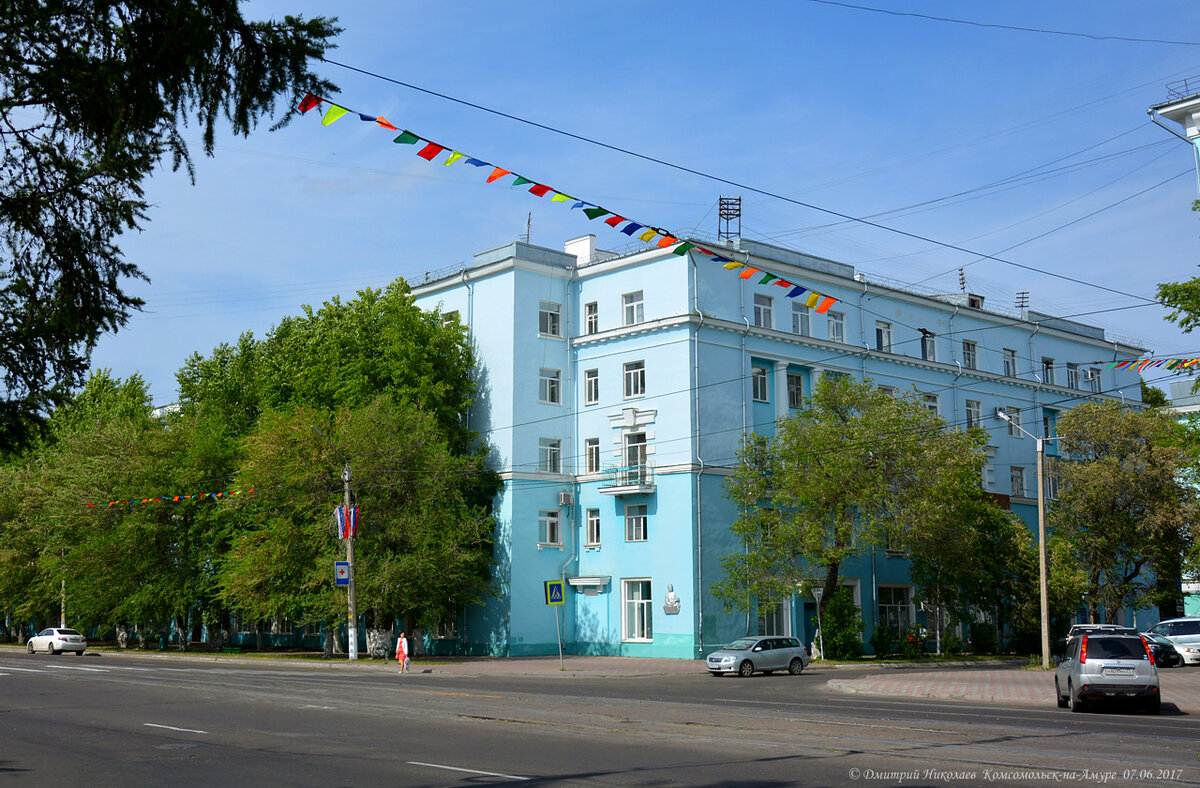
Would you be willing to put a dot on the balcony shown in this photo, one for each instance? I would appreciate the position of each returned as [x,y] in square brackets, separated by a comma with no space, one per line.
[630,480]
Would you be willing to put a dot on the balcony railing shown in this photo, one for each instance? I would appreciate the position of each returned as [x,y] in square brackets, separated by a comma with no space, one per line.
[629,480]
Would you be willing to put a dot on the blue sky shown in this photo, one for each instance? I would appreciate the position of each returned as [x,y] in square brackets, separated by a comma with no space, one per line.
[852,111]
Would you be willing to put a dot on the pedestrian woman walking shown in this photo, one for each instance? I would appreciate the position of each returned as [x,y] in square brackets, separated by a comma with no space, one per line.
[402,652]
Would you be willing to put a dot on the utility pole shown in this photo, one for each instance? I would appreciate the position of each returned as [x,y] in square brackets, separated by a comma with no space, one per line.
[353,612]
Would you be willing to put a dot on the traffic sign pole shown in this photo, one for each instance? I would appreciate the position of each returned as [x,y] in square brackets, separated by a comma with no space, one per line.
[353,611]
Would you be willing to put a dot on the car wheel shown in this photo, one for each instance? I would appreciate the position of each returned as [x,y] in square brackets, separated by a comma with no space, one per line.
[29,647]
[50,648]
[1154,706]
[1062,702]
[715,674]
[796,667]
[1075,703]
[746,669]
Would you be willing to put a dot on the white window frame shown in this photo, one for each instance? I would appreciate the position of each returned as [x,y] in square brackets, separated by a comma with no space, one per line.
[635,445]
[633,309]
[591,453]
[550,455]
[883,336]
[1072,375]
[801,319]
[764,311]
[1016,476]
[635,379]
[974,413]
[549,319]
[929,346]
[932,403]
[835,323]
[1014,421]
[889,390]
[970,351]
[900,615]
[549,386]
[1048,370]
[637,614]
[795,390]
[591,318]
[1093,376]
[760,384]
[550,527]
[636,522]
[591,386]
[593,528]
[1010,363]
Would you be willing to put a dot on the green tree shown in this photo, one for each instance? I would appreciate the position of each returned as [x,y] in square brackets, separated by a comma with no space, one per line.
[93,97]
[855,469]
[1154,397]
[1128,505]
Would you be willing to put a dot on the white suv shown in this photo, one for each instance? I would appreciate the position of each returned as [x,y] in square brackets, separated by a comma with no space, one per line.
[1185,634]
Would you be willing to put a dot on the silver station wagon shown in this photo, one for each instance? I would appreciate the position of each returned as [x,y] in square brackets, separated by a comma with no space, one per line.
[1107,666]
[744,656]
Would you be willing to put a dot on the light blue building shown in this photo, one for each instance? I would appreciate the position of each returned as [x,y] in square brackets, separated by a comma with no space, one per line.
[615,390]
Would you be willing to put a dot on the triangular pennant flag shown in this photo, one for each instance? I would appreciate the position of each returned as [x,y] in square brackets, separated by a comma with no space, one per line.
[614,221]
[594,213]
[308,102]
[666,241]
[797,290]
[632,228]
[581,204]
[477,163]
[453,157]
[718,258]
[521,181]
[782,283]
[702,250]
[749,272]
[732,265]
[683,248]
[560,197]
[382,121]
[824,307]
[430,151]
[767,278]
[497,174]
[648,235]
[333,113]
[406,138]
[367,118]
[539,190]
[813,299]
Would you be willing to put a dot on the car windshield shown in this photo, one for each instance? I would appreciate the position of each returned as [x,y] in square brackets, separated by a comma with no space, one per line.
[742,644]
[1115,648]
[67,632]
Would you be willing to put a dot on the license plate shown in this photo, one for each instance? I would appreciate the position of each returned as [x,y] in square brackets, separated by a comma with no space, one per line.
[1118,672]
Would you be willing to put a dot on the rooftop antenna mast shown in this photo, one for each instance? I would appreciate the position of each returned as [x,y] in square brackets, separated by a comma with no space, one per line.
[729,210]
[528,228]
[962,280]
[1022,302]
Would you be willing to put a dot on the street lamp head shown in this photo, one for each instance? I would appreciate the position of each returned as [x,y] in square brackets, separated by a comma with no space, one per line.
[1002,414]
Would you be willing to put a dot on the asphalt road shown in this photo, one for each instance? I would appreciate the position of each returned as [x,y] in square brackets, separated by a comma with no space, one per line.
[117,719]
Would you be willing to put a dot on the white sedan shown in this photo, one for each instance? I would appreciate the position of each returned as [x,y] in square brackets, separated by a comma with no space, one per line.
[56,641]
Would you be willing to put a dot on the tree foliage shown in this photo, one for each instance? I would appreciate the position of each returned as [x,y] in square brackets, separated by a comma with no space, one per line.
[93,96]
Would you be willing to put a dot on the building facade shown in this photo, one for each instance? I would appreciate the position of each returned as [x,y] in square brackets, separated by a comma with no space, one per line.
[614,392]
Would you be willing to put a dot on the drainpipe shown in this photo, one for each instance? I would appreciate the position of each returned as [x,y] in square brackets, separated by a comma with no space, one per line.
[954,389]
[862,324]
[700,472]
[1037,392]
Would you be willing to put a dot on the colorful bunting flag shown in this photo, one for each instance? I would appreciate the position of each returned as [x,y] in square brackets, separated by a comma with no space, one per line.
[539,190]
[173,499]
[594,213]
[453,157]
[430,151]
[631,228]
[749,272]
[560,197]
[683,248]
[497,174]
[521,181]
[383,122]
[333,113]
[406,138]
[308,102]
[614,221]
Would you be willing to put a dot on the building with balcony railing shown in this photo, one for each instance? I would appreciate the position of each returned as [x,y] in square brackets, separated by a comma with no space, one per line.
[614,391]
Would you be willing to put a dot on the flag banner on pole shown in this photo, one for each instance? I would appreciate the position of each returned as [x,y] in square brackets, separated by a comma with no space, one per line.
[347,527]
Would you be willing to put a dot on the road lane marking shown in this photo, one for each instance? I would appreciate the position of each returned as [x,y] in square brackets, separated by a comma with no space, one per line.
[73,667]
[456,694]
[172,728]
[26,670]
[469,771]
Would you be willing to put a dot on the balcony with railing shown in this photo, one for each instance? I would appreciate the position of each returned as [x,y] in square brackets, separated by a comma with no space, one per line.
[629,480]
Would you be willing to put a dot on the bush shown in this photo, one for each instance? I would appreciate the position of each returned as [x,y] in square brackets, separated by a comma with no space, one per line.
[983,638]
[842,624]
[884,639]
[914,644]
[953,644]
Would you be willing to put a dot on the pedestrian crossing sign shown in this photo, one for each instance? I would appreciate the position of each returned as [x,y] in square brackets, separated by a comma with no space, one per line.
[554,592]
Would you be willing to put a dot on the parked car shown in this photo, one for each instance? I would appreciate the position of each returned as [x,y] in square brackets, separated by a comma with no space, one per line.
[1107,666]
[1164,651]
[56,641]
[1184,633]
[744,656]
[1084,629]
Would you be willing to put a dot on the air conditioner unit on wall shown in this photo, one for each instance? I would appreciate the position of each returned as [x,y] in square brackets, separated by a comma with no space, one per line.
[566,499]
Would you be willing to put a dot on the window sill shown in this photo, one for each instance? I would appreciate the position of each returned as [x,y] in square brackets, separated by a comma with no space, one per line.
[550,545]
[637,640]
[591,547]
[549,336]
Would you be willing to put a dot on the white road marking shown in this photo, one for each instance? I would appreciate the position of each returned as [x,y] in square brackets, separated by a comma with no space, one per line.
[469,771]
[171,728]
[73,667]
[26,670]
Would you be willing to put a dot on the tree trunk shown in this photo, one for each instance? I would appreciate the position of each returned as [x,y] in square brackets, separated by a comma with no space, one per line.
[378,641]
[328,654]
[181,635]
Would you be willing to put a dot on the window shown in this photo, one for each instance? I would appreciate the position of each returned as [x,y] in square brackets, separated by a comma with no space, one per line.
[771,619]
[635,379]
[1010,363]
[1093,376]
[800,320]
[632,303]
[889,390]
[591,318]
[593,527]
[1018,481]
[549,317]
[1048,370]
[1073,376]
[450,318]
[928,345]
[1014,421]
[970,354]
[883,336]
[930,401]
[795,390]
[635,522]
[762,311]
[895,607]
[635,449]
[974,413]
[636,610]
[591,387]
[1051,478]
[591,453]
[1047,424]
[550,455]
[549,527]
[837,326]
[446,630]
[549,387]
[759,384]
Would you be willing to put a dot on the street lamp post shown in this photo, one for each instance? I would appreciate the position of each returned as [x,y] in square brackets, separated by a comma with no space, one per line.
[817,594]
[352,610]
[1043,581]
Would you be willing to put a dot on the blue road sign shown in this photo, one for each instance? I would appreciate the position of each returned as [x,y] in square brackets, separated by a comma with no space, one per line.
[341,572]
[554,592]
